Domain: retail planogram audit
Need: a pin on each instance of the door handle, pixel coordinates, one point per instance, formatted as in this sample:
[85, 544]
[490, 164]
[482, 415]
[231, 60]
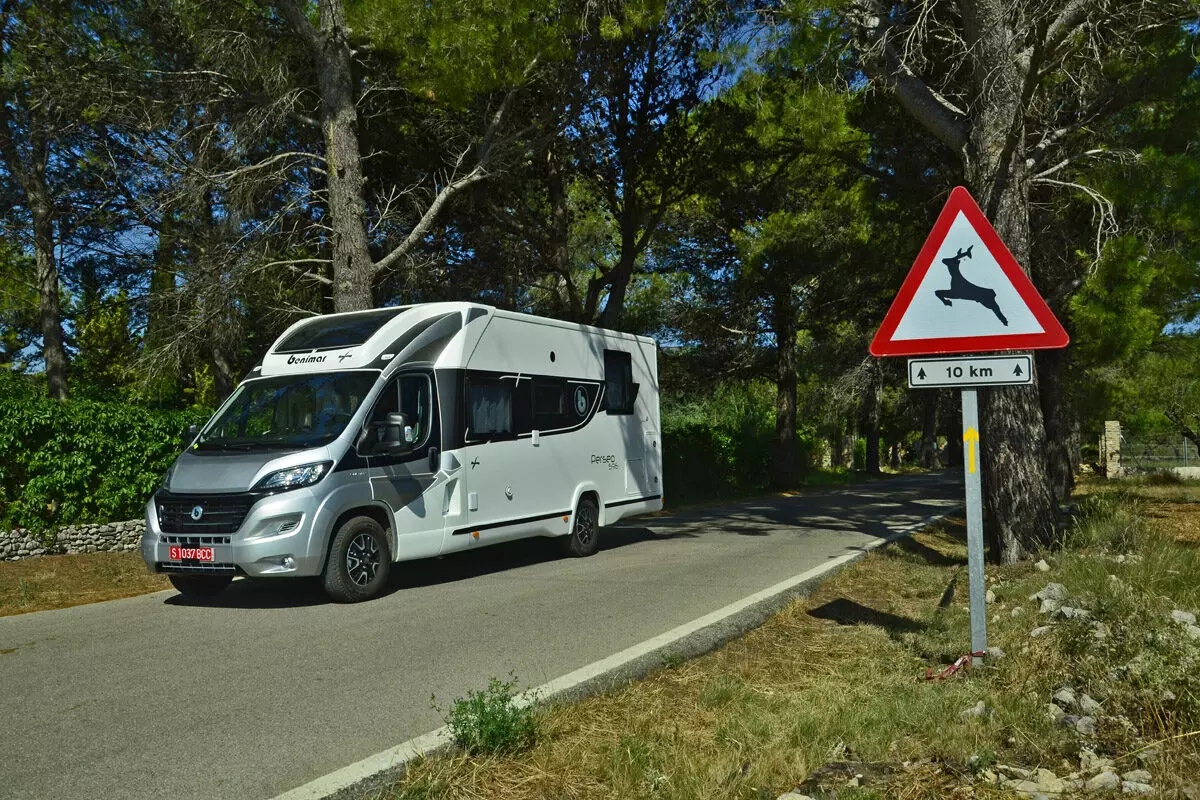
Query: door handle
[434, 459]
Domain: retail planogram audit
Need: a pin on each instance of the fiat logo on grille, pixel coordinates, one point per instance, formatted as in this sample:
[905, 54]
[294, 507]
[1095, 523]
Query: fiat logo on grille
[197, 513]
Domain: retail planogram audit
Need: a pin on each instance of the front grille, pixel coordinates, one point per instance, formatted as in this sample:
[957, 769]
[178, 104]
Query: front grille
[220, 513]
[196, 569]
[196, 541]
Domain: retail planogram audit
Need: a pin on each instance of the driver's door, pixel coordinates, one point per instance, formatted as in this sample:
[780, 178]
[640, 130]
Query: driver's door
[404, 480]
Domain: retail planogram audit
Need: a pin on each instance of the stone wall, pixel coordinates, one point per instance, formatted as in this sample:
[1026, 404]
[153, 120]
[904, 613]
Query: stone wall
[88, 538]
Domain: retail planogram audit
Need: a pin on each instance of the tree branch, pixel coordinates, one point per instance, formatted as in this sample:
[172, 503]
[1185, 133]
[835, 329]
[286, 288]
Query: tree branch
[299, 23]
[881, 62]
[427, 219]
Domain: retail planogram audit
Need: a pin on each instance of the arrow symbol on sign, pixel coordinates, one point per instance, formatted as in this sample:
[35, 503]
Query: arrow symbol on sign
[921, 374]
[1017, 371]
[971, 439]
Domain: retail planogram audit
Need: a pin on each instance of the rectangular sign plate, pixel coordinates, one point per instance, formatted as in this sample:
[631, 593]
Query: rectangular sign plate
[970, 371]
[190, 553]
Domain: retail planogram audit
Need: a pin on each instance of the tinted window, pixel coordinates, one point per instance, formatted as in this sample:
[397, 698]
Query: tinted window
[325, 333]
[549, 404]
[489, 409]
[620, 391]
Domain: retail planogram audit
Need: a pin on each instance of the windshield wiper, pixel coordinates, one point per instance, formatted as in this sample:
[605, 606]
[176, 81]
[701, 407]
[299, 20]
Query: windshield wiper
[245, 448]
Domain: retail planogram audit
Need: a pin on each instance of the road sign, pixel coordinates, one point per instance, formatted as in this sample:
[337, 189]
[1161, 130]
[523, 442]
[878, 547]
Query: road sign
[966, 293]
[970, 371]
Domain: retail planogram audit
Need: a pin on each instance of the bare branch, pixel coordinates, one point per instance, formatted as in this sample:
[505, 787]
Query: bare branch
[1104, 211]
[429, 217]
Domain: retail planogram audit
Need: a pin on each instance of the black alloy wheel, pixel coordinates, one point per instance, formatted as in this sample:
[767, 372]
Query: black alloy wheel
[359, 561]
[584, 538]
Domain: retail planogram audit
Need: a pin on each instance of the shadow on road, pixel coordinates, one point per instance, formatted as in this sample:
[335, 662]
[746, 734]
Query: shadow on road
[300, 592]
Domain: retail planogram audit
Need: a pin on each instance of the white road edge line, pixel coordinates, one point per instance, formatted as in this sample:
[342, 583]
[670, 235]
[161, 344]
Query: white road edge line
[431, 742]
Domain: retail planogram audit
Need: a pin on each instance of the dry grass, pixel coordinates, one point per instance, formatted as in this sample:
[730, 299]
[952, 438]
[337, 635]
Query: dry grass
[38, 584]
[1173, 506]
[837, 676]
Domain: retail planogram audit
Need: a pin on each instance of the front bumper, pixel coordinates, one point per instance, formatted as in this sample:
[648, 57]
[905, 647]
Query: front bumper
[274, 539]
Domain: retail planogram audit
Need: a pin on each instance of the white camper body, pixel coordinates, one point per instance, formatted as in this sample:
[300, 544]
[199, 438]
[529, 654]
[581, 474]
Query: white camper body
[447, 426]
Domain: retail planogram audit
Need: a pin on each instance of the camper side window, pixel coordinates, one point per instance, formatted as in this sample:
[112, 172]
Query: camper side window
[620, 391]
[550, 404]
[489, 409]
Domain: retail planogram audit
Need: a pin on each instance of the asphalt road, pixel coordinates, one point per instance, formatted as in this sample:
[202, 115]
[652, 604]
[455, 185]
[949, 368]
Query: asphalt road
[273, 686]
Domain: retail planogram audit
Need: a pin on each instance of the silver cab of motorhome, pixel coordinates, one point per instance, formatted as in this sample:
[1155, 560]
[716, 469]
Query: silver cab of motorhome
[403, 433]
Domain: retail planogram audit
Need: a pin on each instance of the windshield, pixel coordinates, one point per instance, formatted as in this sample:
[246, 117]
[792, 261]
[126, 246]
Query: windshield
[288, 412]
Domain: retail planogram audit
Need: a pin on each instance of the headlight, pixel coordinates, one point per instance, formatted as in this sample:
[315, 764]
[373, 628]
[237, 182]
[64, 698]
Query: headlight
[295, 477]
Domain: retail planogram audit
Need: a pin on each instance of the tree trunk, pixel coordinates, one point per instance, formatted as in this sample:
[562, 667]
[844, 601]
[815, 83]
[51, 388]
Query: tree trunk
[329, 48]
[952, 429]
[41, 208]
[874, 409]
[560, 232]
[1016, 490]
[783, 447]
[1052, 378]
[929, 409]
[352, 265]
[223, 377]
[614, 306]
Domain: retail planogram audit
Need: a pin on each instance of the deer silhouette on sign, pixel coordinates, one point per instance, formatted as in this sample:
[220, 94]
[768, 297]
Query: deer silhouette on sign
[963, 289]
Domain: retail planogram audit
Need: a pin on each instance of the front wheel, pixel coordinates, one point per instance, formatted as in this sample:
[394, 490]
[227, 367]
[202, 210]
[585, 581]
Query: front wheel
[200, 587]
[359, 561]
[584, 538]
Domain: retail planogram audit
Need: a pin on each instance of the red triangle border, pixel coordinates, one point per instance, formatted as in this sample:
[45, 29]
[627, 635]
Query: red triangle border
[960, 200]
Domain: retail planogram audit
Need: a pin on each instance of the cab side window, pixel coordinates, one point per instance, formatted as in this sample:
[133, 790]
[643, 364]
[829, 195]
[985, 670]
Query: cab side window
[412, 396]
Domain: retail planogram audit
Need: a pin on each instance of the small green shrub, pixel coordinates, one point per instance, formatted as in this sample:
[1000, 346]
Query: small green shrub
[491, 722]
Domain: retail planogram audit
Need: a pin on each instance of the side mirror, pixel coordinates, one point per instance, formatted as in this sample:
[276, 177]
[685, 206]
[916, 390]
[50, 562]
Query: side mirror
[189, 435]
[389, 435]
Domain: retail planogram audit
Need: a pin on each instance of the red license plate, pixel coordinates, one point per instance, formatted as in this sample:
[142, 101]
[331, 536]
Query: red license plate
[191, 553]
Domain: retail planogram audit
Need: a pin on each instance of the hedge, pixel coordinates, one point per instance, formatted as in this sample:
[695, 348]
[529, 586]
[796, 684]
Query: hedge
[81, 460]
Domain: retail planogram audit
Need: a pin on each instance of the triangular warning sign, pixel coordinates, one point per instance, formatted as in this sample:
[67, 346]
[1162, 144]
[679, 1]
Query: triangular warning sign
[966, 293]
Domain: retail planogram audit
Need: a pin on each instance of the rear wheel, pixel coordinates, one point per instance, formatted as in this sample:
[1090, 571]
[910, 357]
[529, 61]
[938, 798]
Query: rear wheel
[200, 586]
[584, 538]
[359, 561]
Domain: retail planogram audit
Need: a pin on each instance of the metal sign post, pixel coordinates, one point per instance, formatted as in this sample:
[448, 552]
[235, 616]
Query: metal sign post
[974, 467]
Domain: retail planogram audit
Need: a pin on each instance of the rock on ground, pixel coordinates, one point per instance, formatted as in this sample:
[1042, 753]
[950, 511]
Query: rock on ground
[1183, 617]
[1065, 697]
[1090, 763]
[1133, 787]
[1087, 705]
[1104, 782]
[1042, 566]
[1137, 776]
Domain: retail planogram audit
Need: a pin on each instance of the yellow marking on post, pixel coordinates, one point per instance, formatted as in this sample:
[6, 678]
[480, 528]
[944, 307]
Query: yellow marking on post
[971, 440]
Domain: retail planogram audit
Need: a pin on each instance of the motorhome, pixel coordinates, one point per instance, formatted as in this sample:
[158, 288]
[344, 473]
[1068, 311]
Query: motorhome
[372, 437]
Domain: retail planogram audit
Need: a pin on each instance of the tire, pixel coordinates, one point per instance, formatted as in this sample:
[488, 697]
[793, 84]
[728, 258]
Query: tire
[200, 586]
[359, 561]
[584, 538]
